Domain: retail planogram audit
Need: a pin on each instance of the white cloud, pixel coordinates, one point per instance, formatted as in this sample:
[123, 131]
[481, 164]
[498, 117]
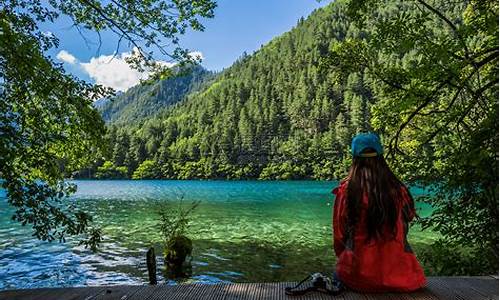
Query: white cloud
[66, 57]
[113, 71]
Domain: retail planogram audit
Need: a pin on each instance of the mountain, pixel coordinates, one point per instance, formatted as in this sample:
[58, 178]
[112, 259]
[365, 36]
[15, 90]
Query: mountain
[273, 114]
[100, 102]
[142, 101]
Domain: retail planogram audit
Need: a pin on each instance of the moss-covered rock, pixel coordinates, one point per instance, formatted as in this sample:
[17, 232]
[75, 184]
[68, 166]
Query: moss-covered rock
[176, 251]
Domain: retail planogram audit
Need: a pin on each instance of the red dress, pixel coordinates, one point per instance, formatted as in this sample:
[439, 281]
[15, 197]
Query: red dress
[379, 265]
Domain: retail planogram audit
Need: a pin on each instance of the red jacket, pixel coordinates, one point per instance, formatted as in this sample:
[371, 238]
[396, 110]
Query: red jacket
[379, 265]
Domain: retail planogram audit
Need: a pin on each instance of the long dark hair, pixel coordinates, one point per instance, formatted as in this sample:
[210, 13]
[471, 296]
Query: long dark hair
[372, 176]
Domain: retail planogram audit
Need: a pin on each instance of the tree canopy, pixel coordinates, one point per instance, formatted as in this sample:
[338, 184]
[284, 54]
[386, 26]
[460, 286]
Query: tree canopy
[142, 101]
[436, 76]
[48, 125]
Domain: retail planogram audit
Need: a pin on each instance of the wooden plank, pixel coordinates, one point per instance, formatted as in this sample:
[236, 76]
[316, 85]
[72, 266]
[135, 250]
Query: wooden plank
[402, 296]
[167, 292]
[52, 293]
[235, 291]
[280, 290]
[191, 291]
[265, 291]
[195, 292]
[424, 294]
[457, 288]
[140, 291]
[442, 290]
[119, 292]
[453, 288]
[352, 295]
[146, 292]
[219, 291]
[480, 286]
[81, 293]
[364, 296]
[386, 296]
[486, 285]
[253, 291]
[205, 291]
[29, 294]
[464, 287]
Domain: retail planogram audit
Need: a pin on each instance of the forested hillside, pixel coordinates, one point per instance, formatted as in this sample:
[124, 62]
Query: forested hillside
[272, 115]
[146, 100]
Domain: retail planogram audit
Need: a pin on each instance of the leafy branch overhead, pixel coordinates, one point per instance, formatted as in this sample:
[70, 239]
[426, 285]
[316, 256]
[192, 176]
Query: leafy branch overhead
[48, 125]
[461, 60]
[435, 69]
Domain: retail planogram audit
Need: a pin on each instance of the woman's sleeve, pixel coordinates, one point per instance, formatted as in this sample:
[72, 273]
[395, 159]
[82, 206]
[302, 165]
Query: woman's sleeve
[338, 220]
[409, 211]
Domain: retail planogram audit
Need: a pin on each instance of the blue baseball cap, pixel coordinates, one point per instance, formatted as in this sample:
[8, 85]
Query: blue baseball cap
[364, 141]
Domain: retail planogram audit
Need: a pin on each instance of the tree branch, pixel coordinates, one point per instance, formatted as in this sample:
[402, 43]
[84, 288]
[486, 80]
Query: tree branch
[450, 24]
[114, 24]
[394, 141]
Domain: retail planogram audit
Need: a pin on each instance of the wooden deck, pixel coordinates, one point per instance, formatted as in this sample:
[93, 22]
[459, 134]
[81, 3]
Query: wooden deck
[461, 288]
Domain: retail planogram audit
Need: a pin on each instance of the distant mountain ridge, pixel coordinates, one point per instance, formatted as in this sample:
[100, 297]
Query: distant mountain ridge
[142, 101]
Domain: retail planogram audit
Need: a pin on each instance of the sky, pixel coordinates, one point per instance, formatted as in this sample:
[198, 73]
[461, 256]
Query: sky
[238, 26]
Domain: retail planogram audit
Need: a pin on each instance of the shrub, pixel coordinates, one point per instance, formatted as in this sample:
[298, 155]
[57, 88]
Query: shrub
[174, 222]
[148, 169]
[109, 171]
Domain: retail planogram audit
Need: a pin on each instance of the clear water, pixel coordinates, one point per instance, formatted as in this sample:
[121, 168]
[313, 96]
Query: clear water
[242, 231]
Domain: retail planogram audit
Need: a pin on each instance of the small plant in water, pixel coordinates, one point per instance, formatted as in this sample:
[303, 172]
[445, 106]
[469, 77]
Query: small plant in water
[174, 222]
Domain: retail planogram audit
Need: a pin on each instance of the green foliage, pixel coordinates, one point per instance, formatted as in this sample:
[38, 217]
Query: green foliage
[174, 219]
[142, 101]
[283, 171]
[434, 70]
[176, 252]
[271, 115]
[444, 259]
[48, 125]
[173, 224]
[109, 171]
[148, 169]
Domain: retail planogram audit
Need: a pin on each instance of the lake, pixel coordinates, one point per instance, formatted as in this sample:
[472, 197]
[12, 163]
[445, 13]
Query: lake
[243, 231]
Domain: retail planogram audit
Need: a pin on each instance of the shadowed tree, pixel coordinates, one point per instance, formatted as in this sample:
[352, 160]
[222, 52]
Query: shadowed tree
[48, 126]
[435, 77]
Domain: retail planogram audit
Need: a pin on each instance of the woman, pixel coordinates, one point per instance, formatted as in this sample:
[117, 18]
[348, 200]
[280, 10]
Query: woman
[370, 222]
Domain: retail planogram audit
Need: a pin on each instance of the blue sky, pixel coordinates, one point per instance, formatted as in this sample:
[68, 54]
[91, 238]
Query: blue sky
[238, 26]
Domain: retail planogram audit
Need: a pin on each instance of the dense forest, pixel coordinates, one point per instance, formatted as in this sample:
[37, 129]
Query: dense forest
[147, 99]
[272, 115]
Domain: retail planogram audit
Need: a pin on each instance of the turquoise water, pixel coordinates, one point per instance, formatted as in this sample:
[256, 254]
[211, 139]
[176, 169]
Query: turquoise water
[242, 231]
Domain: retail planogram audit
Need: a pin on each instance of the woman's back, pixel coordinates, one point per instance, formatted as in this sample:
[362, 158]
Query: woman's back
[371, 215]
[382, 264]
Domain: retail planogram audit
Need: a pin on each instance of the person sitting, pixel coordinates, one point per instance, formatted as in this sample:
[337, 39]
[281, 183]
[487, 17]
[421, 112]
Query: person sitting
[371, 217]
